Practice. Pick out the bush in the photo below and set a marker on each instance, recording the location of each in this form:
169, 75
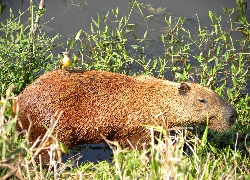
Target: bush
212, 56
23, 54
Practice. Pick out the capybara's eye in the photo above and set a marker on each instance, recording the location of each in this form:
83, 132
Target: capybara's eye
202, 100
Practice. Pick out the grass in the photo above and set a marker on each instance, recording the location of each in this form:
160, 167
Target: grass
212, 56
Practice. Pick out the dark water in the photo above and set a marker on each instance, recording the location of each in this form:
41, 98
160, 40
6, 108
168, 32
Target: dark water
67, 19
91, 153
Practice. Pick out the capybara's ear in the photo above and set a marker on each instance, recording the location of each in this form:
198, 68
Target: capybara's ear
183, 89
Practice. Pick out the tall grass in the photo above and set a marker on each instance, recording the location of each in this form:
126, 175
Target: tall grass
212, 56
175, 156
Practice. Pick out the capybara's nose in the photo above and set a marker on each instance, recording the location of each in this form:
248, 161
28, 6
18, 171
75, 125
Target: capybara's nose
233, 116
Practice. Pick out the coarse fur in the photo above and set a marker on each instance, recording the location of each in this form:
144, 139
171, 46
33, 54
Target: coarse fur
97, 104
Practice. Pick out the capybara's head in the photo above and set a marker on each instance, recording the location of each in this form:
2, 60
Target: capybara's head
207, 105
97, 104
190, 103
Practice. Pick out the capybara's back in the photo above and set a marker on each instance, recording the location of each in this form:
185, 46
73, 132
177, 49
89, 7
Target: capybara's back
97, 104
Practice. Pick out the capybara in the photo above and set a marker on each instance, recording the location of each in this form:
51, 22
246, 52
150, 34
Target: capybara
97, 104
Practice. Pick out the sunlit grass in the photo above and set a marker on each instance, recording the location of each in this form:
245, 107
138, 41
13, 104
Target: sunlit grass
174, 156
223, 65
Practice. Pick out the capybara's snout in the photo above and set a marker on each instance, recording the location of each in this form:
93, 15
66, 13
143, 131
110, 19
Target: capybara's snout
232, 116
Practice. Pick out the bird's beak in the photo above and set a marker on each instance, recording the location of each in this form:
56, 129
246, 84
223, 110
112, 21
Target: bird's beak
64, 53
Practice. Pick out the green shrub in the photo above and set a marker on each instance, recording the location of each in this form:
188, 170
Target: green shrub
212, 56
23, 54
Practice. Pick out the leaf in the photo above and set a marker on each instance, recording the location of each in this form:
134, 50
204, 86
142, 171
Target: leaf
78, 35
145, 34
9, 125
204, 137
96, 23
211, 15
63, 148
134, 46
212, 148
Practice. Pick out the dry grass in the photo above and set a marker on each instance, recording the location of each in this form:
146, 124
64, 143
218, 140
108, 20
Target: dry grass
175, 156
21, 158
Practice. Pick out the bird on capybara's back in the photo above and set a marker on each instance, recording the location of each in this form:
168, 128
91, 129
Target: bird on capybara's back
98, 104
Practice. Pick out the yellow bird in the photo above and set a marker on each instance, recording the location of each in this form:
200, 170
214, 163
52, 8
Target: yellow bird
66, 61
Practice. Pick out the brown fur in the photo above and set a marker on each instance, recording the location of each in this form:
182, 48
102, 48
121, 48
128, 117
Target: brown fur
95, 103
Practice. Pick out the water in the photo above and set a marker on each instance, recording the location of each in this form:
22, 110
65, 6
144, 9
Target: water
67, 19
91, 153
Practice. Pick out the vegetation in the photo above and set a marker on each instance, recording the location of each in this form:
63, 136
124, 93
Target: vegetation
212, 56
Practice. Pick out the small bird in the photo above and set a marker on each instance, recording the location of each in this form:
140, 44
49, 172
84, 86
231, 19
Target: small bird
66, 61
